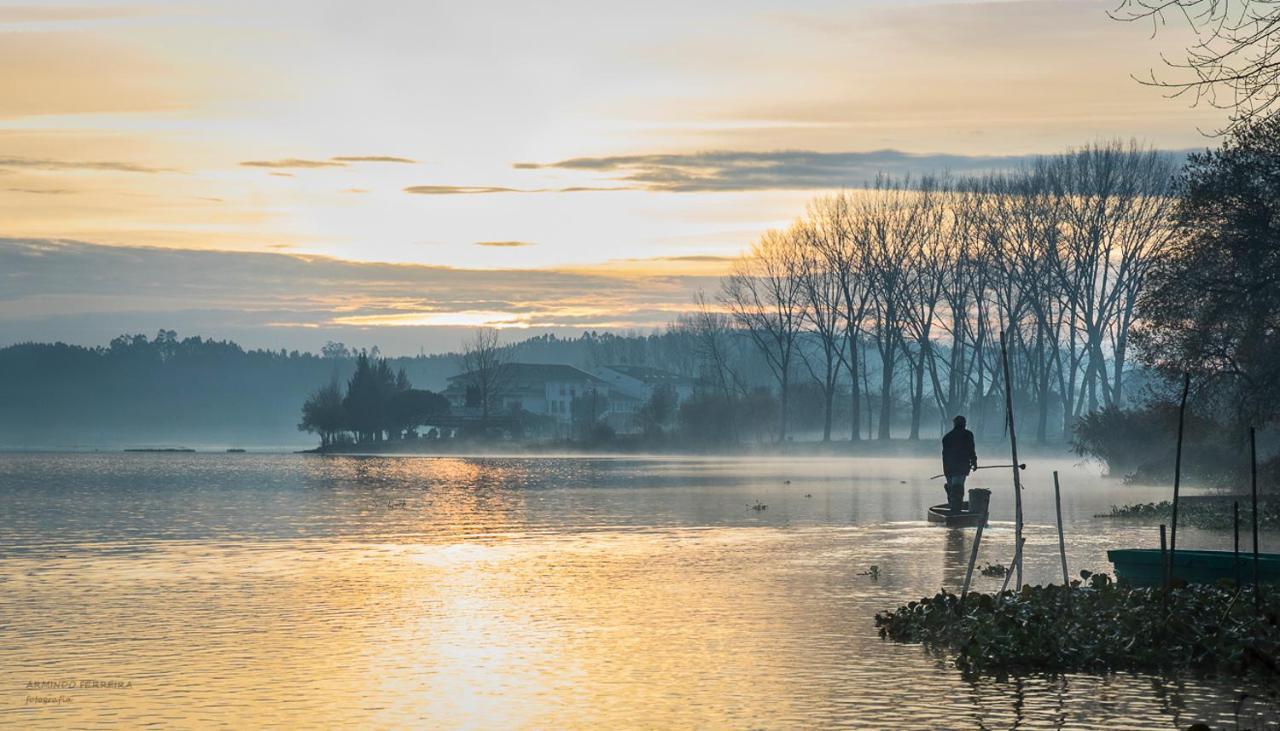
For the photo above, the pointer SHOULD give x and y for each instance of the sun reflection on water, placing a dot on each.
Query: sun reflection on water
(513, 593)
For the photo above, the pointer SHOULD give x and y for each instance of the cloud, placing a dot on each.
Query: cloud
(482, 189)
(53, 289)
(338, 161)
(355, 190)
(701, 258)
(282, 175)
(292, 162)
(460, 189)
(34, 163)
(41, 191)
(735, 170)
(505, 244)
(374, 158)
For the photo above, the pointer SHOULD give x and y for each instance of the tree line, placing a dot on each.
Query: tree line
(900, 293)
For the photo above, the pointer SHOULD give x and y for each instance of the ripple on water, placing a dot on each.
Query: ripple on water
(543, 593)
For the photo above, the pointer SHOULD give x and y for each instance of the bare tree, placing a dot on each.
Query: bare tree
(888, 222)
(715, 347)
(484, 368)
(926, 255)
(1115, 202)
(831, 226)
(764, 294)
(1234, 61)
(1054, 255)
(823, 306)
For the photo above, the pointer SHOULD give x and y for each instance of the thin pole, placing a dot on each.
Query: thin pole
(1235, 550)
(1164, 562)
(1062, 543)
(1017, 562)
(1013, 449)
(1177, 475)
(973, 558)
(1253, 496)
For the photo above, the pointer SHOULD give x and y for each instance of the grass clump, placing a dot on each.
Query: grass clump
(1099, 626)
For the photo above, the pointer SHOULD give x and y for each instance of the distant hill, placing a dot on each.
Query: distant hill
(165, 391)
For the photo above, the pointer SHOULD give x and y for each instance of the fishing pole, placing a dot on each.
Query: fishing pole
(1022, 466)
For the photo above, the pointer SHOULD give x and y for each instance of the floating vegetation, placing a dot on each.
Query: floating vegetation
(994, 569)
(1211, 514)
(758, 506)
(1099, 626)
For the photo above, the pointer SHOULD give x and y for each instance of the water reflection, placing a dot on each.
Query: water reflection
(571, 593)
(955, 556)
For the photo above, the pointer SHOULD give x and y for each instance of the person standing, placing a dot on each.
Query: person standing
(959, 458)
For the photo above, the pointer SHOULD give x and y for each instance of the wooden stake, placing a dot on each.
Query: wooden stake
(1253, 496)
(1235, 549)
(1017, 563)
(1062, 543)
(973, 558)
(1013, 449)
(1164, 564)
(1177, 475)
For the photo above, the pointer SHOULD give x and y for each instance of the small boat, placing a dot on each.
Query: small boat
(1141, 566)
(971, 511)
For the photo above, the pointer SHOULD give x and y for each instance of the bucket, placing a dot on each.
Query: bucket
(979, 499)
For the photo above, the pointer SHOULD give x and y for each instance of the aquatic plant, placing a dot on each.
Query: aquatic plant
(994, 569)
(1207, 514)
(1098, 626)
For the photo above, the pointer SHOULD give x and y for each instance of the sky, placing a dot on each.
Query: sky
(395, 173)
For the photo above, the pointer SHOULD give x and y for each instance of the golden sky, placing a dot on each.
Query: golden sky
(641, 142)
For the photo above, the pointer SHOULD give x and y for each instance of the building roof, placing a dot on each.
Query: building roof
(649, 375)
(517, 374)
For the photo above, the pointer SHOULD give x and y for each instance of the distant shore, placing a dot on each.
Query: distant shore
(924, 447)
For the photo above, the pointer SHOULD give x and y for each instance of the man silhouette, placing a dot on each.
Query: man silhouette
(959, 458)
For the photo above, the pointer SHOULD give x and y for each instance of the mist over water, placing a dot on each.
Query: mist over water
(569, 592)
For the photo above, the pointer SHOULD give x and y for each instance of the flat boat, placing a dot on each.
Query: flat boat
(971, 512)
(1141, 566)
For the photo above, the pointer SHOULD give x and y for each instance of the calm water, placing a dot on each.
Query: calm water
(300, 591)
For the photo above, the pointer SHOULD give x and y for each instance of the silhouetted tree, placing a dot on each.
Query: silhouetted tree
(323, 413)
(765, 295)
(368, 401)
(1213, 307)
(483, 362)
(658, 411)
(412, 408)
(586, 411)
(1233, 62)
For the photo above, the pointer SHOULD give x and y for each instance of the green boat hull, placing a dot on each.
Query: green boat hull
(1141, 566)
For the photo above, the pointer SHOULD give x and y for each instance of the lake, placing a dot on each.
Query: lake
(302, 591)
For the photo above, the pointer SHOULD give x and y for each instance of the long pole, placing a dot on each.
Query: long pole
(1017, 561)
(973, 558)
(1013, 449)
(1177, 475)
(1164, 566)
(1062, 543)
(1253, 496)
(1235, 546)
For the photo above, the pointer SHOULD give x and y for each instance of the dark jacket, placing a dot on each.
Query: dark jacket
(958, 453)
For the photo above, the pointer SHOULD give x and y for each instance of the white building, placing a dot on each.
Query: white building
(538, 388)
